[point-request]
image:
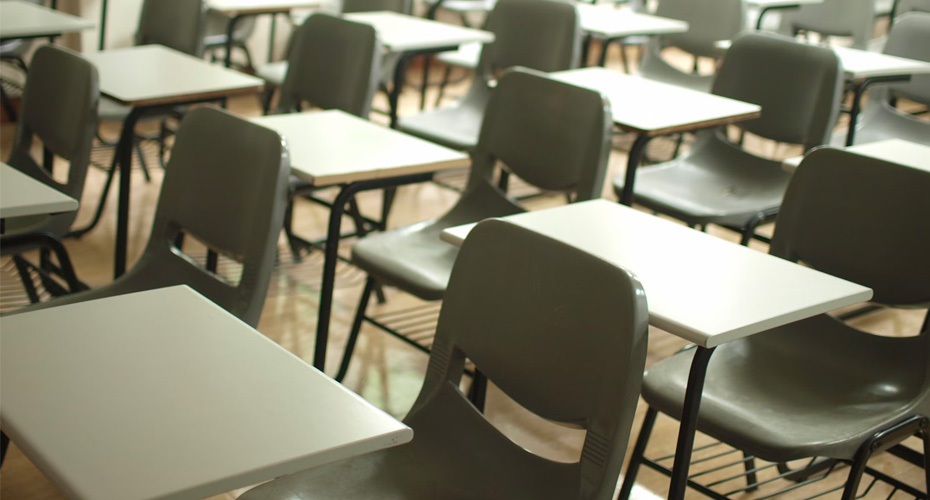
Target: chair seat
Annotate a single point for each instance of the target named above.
(466, 57)
(456, 127)
(272, 73)
(414, 258)
(717, 183)
(854, 384)
(424, 469)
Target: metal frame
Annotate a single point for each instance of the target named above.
(858, 92)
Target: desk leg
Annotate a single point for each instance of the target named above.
(689, 414)
(271, 37)
(636, 156)
(103, 24)
(858, 92)
(124, 163)
(230, 28)
(400, 72)
(331, 252)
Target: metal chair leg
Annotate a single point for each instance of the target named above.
(478, 391)
(356, 327)
(636, 459)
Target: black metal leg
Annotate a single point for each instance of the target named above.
(77, 233)
(356, 326)
(271, 35)
(629, 478)
(602, 59)
(427, 59)
(479, 390)
(124, 163)
(22, 267)
(400, 71)
(4, 445)
(331, 253)
(688, 427)
(749, 462)
(212, 260)
(230, 28)
(762, 13)
(103, 24)
(585, 50)
(386, 203)
(446, 74)
(636, 155)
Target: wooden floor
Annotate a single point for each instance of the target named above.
(386, 371)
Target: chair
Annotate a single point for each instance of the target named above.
(539, 34)
(798, 87)
(60, 109)
(847, 18)
(178, 24)
(909, 37)
(709, 21)
(274, 73)
(14, 51)
(819, 387)
(333, 64)
(553, 135)
(217, 34)
(246, 168)
(560, 331)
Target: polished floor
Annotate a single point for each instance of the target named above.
(385, 370)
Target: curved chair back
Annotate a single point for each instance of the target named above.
(549, 133)
(544, 35)
(560, 331)
(870, 244)
(179, 24)
(853, 18)
(60, 108)
(709, 22)
(797, 85)
(401, 6)
(910, 37)
(246, 168)
(333, 64)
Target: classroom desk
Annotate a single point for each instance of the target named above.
(408, 37)
(150, 78)
(609, 24)
(703, 289)
(649, 109)
(237, 9)
(19, 19)
(767, 5)
(335, 148)
(863, 68)
(163, 394)
(21, 195)
(893, 150)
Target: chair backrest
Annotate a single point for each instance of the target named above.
(862, 219)
(560, 331)
(59, 107)
(226, 186)
(401, 6)
(854, 18)
(709, 21)
(910, 37)
(333, 64)
(179, 24)
(551, 134)
(544, 35)
(797, 85)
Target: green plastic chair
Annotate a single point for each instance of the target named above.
(59, 108)
(560, 331)
(798, 87)
(226, 186)
(551, 134)
(544, 35)
(820, 387)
